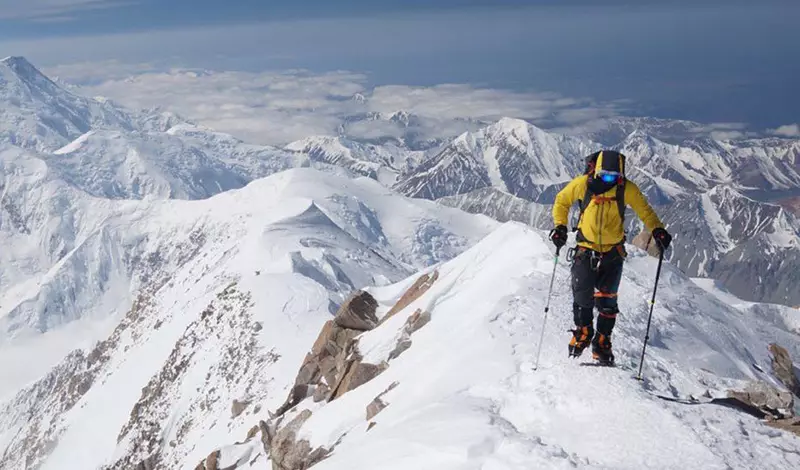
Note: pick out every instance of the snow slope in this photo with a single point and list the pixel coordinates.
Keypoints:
(382, 163)
(184, 162)
(466, 394)
(38, 114)
(234, 318)
(702, 164)
(510, 155)
(240, 290)
(750, 246)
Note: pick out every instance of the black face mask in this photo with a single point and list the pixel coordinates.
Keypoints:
(598, 186)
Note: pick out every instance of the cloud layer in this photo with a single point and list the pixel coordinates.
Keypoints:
(279, 107)
(788, 130)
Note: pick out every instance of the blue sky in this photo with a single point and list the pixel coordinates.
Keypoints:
(706, 60)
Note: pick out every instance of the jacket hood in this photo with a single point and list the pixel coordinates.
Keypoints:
(610, 160)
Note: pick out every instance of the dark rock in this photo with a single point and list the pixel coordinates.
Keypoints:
(766, 398)
(413, 293)
(403, 344)
(378, 404)
(238, 407)
(784, 368)
(358, 312)
(288, 453)
(358, 373)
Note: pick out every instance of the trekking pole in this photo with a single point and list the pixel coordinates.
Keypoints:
(547, 308)
(649, 319)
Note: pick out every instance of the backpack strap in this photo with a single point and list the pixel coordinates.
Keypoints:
(587, 198)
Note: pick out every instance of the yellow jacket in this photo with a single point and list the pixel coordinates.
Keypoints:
(601, 224)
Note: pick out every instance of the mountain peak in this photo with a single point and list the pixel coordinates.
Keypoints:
(21, 66)
(513, 123)
(19, 69)
(15, 59)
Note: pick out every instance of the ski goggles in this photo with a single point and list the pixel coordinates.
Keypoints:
(609, 176)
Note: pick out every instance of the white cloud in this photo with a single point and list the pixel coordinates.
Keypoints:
(374, 130)
(728, 135)
(788, 130)
(53, 10)
(270, 108)
(278, 107)
(723, 130)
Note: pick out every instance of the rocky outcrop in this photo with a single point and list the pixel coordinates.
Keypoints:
(417, 320)
(210, 463)
(377, 405)
(333, 367)
(289, 453)
(765, 398)
(238, 407)
(783, 368)
(413, 293)
(358, 312)
(357, 373)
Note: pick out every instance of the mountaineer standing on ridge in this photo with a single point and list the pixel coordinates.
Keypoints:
(603, 192)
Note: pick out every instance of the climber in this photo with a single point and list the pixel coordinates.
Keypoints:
(603, 192)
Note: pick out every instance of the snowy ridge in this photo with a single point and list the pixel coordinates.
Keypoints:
(283, 264)
(382, 163)
(185, 162)
(701, 164)
(511, 155)
(464, 392)
(502, 207)
(38, 114)
(739, 241)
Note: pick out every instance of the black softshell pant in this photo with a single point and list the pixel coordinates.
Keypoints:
(595, 282)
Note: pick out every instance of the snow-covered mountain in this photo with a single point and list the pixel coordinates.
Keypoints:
(174, 298)
(204, 367)
(36, 113)
(290, 260)
(404, 129)
(511, 155)
(502, 207)
(749, 246)
(512, 170)
(382, 163)
(184, 162)
(111, 152)
(699, 165)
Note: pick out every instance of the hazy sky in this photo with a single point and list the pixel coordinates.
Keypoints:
(706, 60)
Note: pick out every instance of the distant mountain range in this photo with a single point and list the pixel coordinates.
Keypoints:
(174, 298)
(729, 191)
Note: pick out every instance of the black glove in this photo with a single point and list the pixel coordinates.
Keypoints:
(662, 238)
(559, 236)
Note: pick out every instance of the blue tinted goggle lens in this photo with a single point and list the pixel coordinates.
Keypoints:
(609, 177)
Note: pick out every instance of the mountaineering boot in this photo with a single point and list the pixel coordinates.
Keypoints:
(601, 349)
(581, 337)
